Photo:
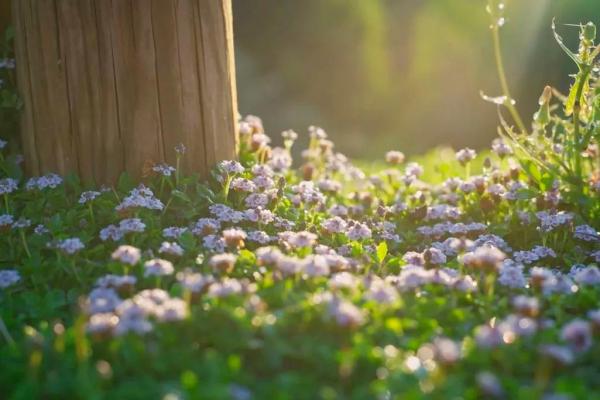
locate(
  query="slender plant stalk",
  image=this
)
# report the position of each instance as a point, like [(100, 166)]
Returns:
[(177, 171), (576, 122), (6, 203), (6, 333), (503, 81), (24, 240), (91, 210)]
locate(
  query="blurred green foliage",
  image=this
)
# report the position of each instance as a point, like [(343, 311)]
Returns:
[(404, 74)]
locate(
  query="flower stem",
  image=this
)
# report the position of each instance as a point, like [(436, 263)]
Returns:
[(177, 171), (6, 333), (91, 214), (576, 122), (24, 240), (503, 81), (74, 269), (226, 187)]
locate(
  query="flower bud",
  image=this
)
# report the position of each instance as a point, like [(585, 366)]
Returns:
[(542, 116), (588, 32)]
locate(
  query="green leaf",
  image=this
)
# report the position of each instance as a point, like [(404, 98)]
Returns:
[(559, 40), (356, 249), (188, 241), (246, 257), (205, 193), (570, 104), (382, 250), (181, 195), (125, 182), (532, 170)]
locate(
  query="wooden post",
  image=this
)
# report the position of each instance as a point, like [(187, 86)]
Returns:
[(4, 16), (113, 85)]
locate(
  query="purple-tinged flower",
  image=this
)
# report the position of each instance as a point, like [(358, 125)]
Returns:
[(226, 287), (127, 254), (174, 232), (88, 196), (394, 157), (42, 182), (587, 275), (484, 257), (243, 185), (501, 148), (488, 336), (8, 185), (21, 223), (231, 167), (6, 220), (223, 263), (586, 233), (358, 231), (171, 248), (193, 281), (446, 351), (40, 230), (118, 282), (111, 232), (70, 246), (315, 265), (9, 277), (345, 313), (489, 385), (234, 237), (158, 267), (465, 155), (140, 197), (163, 169), (578, 334), (559, 354), (132, 225), (527, 306), (180, 149)]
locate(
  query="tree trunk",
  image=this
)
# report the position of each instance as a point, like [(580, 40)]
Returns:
[(114, 85), (4, 16)]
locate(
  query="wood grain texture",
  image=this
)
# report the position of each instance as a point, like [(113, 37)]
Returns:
[(112, 85)]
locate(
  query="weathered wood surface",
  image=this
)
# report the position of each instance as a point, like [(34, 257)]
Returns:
[(112, 85), (4, 15)]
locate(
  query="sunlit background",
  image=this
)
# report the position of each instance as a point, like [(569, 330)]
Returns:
[(402, 74)]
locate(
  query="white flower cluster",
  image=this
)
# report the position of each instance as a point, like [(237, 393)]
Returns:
[(42, 182), (550, 222), (9, 277), (88, 196), (116, 233), (140, 197), (70, 246), (8, 185), (110, 315), (163, 169)]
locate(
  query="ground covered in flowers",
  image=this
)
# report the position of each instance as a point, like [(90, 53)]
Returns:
[(314, 279)]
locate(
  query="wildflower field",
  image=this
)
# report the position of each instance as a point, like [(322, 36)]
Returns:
[(460, 276)]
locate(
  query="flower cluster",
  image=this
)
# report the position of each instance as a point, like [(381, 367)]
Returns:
[(433, 280)]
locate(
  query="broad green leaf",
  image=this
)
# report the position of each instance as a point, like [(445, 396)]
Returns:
[(382, 250)]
